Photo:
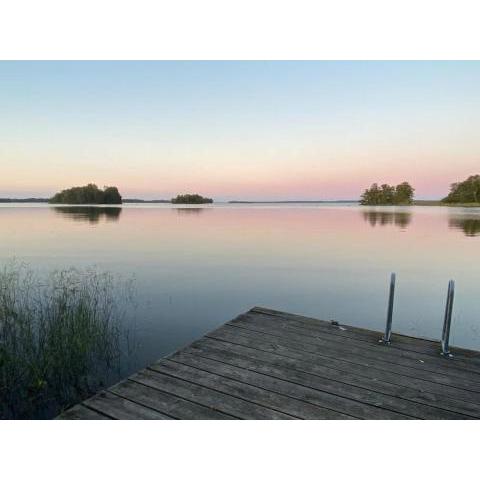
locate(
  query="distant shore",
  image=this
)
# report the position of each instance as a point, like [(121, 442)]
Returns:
[(24, 200), (46, 200), (418, 203), (292, 201), (438, 203)]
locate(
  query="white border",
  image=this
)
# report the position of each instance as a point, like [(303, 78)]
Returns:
[(238, 450), (240, 29)]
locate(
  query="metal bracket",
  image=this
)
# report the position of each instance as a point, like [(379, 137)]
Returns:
[(386, 339), (445, 343)]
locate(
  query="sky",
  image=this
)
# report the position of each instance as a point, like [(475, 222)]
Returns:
[(238, 130)]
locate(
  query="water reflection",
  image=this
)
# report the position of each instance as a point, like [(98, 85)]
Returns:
[(189, 211), (469, 225), (196, 271), (89, 214), (374, 217)]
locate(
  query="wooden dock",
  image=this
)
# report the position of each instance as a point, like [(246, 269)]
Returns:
[(267, 364)]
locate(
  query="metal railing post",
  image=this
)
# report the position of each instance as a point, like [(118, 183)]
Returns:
[(388, 329), (448, 320)]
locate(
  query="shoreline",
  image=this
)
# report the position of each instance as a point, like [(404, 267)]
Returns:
[(416, 203), (438, 203)]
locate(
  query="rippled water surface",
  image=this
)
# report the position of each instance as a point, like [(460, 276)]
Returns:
[(196, 268)]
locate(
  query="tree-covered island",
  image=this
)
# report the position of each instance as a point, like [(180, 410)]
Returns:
[(466, 192), (193, 198), (89, 194), (386, 194)]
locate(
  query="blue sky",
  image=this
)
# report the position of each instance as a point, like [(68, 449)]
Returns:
[(265, 130)]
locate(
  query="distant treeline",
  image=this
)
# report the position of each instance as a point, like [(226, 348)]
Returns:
[(24, 200), (401, 194), (467, 191), (192, 198), (139, 200), (461, 193), (90, 194), (293, 201)]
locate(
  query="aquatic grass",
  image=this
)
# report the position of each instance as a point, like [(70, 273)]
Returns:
[(62, 336)]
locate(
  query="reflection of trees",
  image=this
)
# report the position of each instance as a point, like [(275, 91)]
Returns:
[(469, 225), (374, 217), (189, 211), (89, 214)]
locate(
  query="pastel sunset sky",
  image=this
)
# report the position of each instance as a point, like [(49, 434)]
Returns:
[(238, 130)]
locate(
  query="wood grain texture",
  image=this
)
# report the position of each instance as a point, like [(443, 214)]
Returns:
[(470, 359), (347, 363)]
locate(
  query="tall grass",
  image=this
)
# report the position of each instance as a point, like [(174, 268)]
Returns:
[(61, 337)]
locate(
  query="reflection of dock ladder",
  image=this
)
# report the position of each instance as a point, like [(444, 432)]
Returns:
[(445, 342)]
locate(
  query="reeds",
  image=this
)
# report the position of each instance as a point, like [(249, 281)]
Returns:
[(61, 337)]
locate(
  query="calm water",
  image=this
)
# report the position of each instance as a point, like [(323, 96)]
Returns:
[(196, 268)]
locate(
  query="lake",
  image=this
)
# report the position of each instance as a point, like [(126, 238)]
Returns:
[(196, 268)]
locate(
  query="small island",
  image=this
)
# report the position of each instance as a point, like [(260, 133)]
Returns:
[(192, 198), (89, 194), (386, 194)]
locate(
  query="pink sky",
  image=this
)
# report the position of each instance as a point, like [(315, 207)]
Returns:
[(238, 130)]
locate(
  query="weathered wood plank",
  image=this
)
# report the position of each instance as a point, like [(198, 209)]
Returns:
[(351, 355), (258, 394), (293, 391), (298, 351), (165, 403), (463, 359), (375, 393), (208, 397), (469, 358), (120, 408), (80, 412), (371, 350)]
